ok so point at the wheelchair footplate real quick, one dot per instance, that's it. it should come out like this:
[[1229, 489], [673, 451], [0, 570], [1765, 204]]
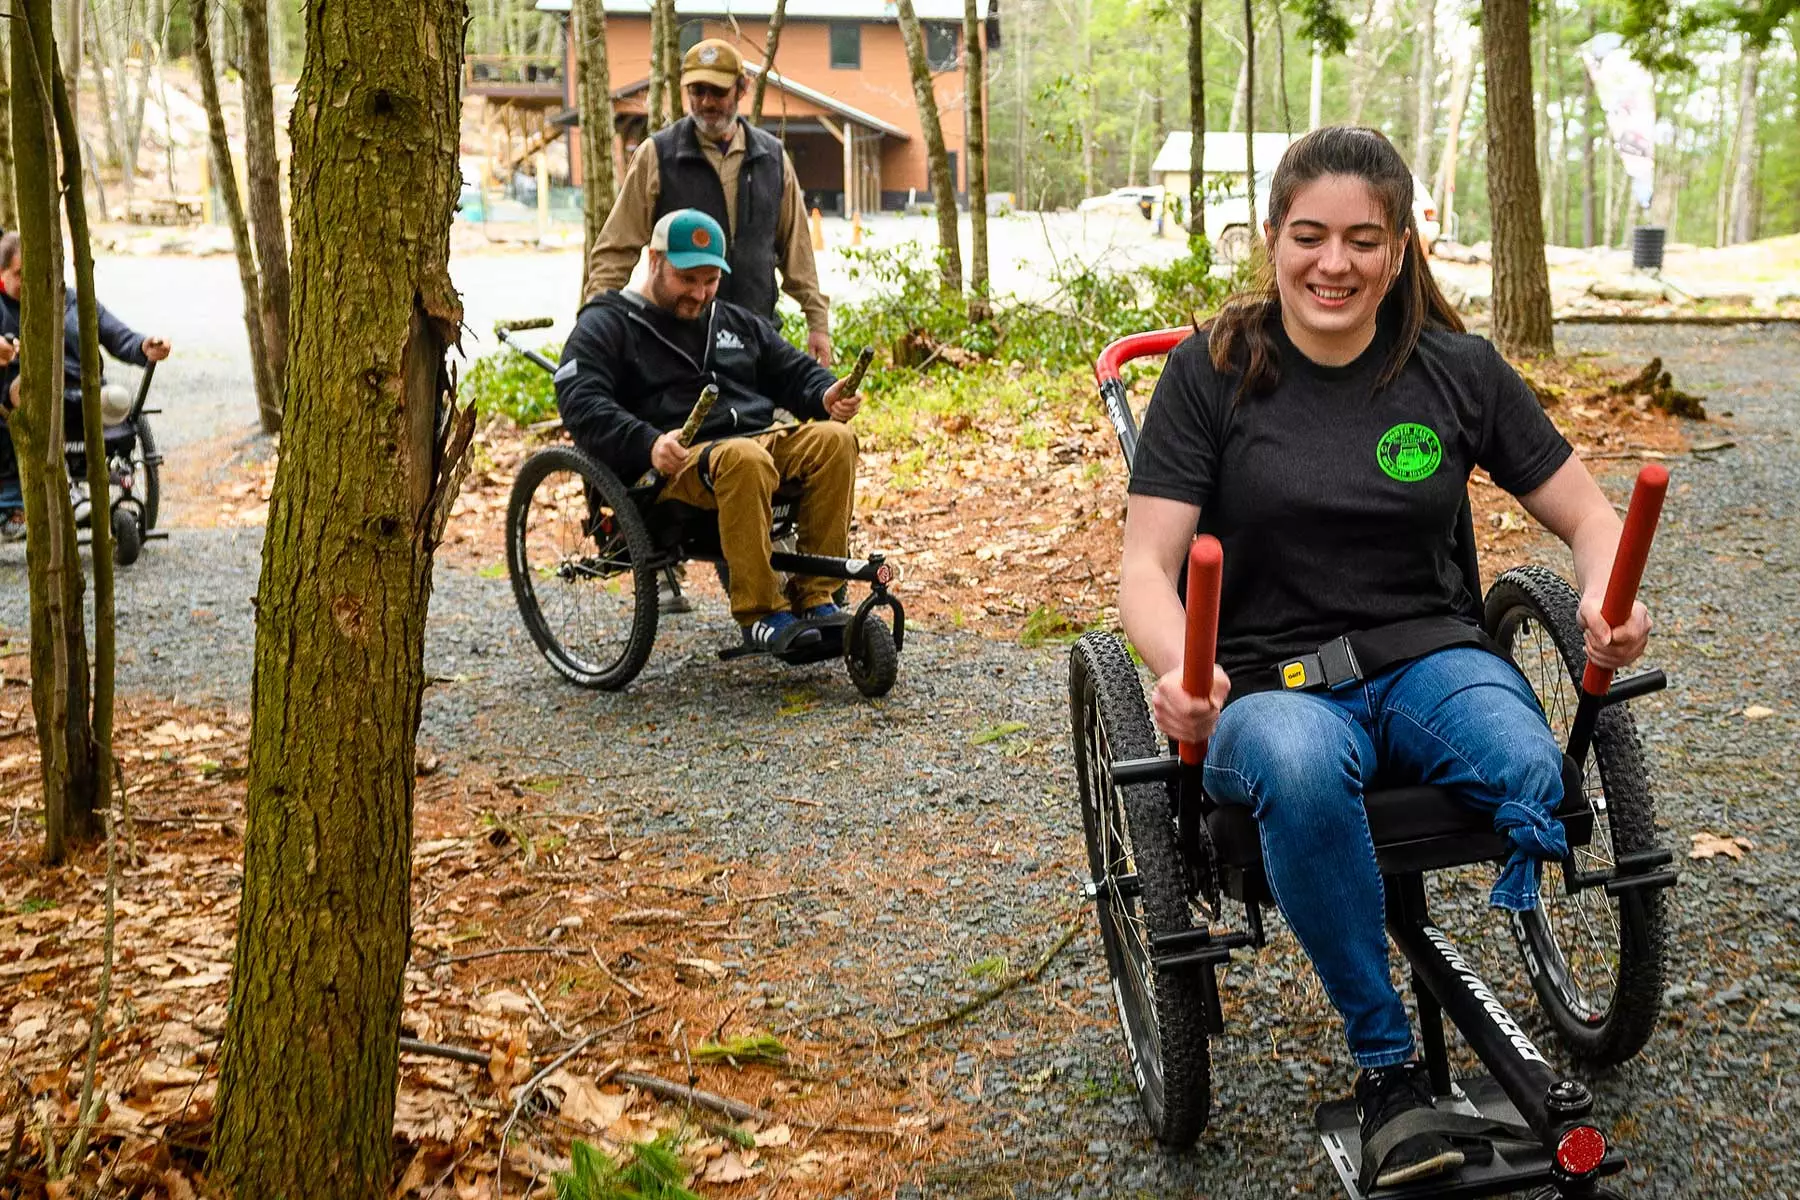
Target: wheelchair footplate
[[829, 646], [1489, 1168]]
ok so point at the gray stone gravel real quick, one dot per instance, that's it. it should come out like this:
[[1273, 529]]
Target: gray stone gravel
[[705, 753]]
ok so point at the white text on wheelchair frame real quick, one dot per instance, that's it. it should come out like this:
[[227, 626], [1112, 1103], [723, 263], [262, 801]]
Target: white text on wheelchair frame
[[1494, 1008]]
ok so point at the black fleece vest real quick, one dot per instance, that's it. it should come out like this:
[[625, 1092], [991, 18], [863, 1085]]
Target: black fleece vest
[[689, 181]]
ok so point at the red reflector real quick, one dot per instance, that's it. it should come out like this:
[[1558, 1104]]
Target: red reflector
[[1580, 1150], [884, 575]]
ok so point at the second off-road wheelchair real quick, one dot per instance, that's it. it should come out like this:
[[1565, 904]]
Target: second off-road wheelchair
[[1178, 884], [586, 553]]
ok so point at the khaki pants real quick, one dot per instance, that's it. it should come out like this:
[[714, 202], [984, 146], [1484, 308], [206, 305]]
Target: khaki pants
[[739, 479]]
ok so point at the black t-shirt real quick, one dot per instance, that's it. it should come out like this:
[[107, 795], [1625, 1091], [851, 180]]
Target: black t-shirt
[[1336, 503], [687, 335]]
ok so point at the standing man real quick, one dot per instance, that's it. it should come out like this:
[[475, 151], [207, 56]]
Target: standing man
[[717, 162]]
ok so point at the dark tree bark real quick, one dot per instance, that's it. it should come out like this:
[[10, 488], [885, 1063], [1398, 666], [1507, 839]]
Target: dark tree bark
[[262, 173], [594, 73], [1522, 323], [974, 66], [99, 481], [310, 1055], [59, 664], [268, 394], [943, 186], [9, 212], [1196, 71], [771, 44]]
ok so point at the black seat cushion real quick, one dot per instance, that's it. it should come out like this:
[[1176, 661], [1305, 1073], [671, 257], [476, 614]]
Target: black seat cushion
[[1414, 828]]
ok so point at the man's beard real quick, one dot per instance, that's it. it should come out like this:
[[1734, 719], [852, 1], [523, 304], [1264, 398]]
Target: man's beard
[[716, 128]]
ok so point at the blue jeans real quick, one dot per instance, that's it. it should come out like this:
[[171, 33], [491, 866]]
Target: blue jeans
[[1460, 718], [11, 496]]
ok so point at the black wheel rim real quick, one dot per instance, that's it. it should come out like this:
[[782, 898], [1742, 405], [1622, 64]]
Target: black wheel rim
[[1576, 938], [577, 565], [1119, 903]]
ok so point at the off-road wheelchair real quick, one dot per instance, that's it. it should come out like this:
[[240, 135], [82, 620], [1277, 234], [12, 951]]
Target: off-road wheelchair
[[585, 553], [1169, 871], [133, 467]]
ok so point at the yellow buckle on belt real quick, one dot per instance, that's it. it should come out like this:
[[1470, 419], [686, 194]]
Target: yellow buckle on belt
[[1293, 674]]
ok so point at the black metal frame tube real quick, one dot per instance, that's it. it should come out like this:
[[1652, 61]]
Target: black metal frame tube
[[863, 570]]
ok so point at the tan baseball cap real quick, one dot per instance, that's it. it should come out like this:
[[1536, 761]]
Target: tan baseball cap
[[714, 62]]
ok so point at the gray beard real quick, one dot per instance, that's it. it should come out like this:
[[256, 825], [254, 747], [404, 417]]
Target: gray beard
[[718, 132]]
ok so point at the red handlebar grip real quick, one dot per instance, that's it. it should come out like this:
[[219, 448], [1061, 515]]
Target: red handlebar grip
[[1628, 564], [1206, 564]]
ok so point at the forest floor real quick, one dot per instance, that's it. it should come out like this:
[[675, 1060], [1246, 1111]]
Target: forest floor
[[547, 913]]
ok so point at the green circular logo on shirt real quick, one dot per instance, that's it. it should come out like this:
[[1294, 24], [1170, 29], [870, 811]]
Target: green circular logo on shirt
[[1409, 452]]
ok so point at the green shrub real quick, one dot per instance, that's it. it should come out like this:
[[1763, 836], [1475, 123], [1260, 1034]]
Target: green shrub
[[511, 385]]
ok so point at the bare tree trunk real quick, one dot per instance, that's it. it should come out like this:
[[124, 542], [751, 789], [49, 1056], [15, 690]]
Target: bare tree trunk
[[59, 670], [113, 120], [1362, 64], [594, 73], [654, 106], [9, 213], [1287, 116], [974, 66], [1462, 79], [262, 172], [1250, 112], [671, 56], [1022, 54], [1424, 112], [309, 1063], [99, 477], [1589, 160], [1196, 80], [1726, 139], [268, 397], [771, 44], [943, 187], [1522, 323], [1085, 40], [1743, 169]]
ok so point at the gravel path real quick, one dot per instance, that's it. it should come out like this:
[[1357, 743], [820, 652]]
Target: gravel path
[[943, 849]]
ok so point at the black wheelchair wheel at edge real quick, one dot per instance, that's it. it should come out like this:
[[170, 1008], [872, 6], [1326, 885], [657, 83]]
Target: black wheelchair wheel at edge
[[580, 559], [128, 537], [1138, 890], [146, 473], [872, 659], [1595, 962]]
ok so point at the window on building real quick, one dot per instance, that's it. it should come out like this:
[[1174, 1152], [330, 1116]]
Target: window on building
[[846, 45], [691, 33], [940, 45]]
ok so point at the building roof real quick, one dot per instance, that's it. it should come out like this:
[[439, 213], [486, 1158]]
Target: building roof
[[811, 95], [1224, 152], [841, 10]]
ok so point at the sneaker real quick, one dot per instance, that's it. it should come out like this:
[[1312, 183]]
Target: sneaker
[[826, 614], [671, 598], [1384, 1093], [779, 632], [12, 525]]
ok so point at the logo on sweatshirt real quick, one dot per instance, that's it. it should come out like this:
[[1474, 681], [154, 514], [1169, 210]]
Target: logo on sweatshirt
[[728, 341], [1409, 452]]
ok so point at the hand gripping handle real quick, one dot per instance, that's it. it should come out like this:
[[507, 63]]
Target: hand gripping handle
[[1628, 564], [1206, 564], [690, 429]]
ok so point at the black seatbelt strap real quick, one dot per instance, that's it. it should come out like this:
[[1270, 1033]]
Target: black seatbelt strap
[[1363, 655]]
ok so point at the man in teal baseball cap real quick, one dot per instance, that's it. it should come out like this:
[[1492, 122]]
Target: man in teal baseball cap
[[630, 373]]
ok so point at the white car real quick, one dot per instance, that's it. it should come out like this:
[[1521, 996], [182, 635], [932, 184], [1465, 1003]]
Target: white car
[[1142, 200], [1227, 219]]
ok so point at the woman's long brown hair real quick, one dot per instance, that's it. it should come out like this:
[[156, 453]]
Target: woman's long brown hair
[[1241, 338]]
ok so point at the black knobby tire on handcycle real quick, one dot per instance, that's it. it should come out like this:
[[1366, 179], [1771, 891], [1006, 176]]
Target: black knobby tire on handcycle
[[871, 658], [1139, 890], [582, 567], [146, 472], [128, 536], [1596, 962]]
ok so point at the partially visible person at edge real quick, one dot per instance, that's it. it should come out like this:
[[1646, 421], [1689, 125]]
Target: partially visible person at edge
[[117, 338], [716, 161], [630, 373], [1324, 427]]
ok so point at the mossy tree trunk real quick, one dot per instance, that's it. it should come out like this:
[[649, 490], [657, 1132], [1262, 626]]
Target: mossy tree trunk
[[369, 446], [1522, 324], [59, 666], [9, 212], [974, 64], [594, 75], [943, 185], [262, 175], [268, 383], [653, 99]]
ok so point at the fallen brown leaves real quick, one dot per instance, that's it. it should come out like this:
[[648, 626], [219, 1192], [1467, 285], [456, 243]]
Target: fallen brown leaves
[[531, 939]]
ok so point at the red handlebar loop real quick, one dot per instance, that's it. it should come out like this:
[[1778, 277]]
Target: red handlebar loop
[[1206, 565], [1628, 564], [1137, 345]]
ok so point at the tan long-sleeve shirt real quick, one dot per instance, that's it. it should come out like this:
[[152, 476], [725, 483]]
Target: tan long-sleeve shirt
[[633, 217]]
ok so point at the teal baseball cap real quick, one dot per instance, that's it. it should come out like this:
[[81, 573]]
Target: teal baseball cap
[[691, 239]]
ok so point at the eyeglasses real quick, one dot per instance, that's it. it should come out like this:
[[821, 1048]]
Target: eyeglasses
[[705, 91]]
